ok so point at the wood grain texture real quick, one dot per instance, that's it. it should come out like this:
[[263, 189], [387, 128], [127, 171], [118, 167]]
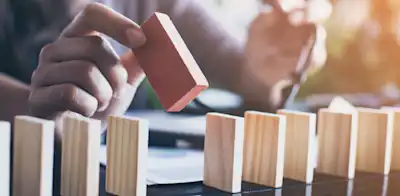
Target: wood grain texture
[[5, 149], [375, 135], [223, 152], [33, 156], [127, 149], [180, 79], [395, 163], [264, 148], [337, 143], [299, 144], [80, 164]]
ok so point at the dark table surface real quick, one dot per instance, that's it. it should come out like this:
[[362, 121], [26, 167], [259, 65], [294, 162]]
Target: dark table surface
[[365, 184]]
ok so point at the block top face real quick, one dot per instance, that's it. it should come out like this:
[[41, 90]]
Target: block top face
[[33, 120], [5, 123], [372, 110], [130, 118], [328, 110], [221, 115], [295, 112], [265, 114]]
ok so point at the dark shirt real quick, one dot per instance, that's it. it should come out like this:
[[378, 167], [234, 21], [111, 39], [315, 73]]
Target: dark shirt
[[26, 29]]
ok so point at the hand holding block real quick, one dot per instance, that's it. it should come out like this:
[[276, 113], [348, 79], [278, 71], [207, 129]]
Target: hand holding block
[[168, 64], [80, 165], [374, 145], [127, 148], [299, 144], [33, 156], [264, 148], [337, 143], [223, 152]]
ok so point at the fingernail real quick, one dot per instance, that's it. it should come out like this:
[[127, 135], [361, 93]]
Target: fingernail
[[136, 37]]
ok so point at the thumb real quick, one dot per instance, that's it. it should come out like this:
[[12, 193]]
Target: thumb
[[135, 72]]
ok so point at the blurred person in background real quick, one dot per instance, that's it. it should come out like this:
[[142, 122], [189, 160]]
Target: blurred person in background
[[50, 65]]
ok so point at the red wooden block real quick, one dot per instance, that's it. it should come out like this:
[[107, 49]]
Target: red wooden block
[[168, 64]]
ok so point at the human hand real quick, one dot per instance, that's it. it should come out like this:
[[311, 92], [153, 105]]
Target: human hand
[[280, 38], [81, 73]]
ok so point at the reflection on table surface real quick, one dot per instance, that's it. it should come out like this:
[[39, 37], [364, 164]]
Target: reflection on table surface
[[364, 184]]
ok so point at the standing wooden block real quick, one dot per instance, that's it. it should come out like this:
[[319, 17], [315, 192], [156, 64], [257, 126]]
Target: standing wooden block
[[395, 163], [264, 148], [127, 148], [299, 145], [5, 148], [80, 165], [375, 135], [337, 143], [169, 66], [33, 156], [223, 152]]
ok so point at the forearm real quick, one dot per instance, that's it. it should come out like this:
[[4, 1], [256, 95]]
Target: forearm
[[218, 54], [13, 98]]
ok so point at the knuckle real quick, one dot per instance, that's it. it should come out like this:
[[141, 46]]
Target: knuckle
[[46, 50], [69, 94], [89, 8], [103, 50], [35, 78], [97, 40], [89, 70]]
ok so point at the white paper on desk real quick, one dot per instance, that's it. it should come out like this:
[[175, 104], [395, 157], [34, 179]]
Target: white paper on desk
[[170, 166], [340, 104]]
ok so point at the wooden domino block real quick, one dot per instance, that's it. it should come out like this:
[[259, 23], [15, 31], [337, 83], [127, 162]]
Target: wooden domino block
[[299, 145], [337, 143], [223, 152], [127, 148], [395, 163], [80, 166], [168, 64], [5, 148], [33, 149], [374, 145], [264, 148]]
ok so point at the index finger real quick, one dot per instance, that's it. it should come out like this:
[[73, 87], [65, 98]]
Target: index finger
[[97, 18]]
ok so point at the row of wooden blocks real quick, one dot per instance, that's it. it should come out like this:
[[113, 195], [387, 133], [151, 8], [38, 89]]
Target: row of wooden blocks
[[264, 148], [33, 156], [261, 148]]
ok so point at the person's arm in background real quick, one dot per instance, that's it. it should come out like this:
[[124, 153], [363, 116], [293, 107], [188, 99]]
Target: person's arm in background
[[13, 98]]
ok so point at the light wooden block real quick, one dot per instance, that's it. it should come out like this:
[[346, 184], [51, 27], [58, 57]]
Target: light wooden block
[[264, 148], [375, 135], [180, 79], [337, 143], [33, 156], [127, 149], [299, 145], [223, 152], [395, 163], [80, 166], [5, 149]]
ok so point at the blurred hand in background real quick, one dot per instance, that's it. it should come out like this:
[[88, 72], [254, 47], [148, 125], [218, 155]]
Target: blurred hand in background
[[278, 38]]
